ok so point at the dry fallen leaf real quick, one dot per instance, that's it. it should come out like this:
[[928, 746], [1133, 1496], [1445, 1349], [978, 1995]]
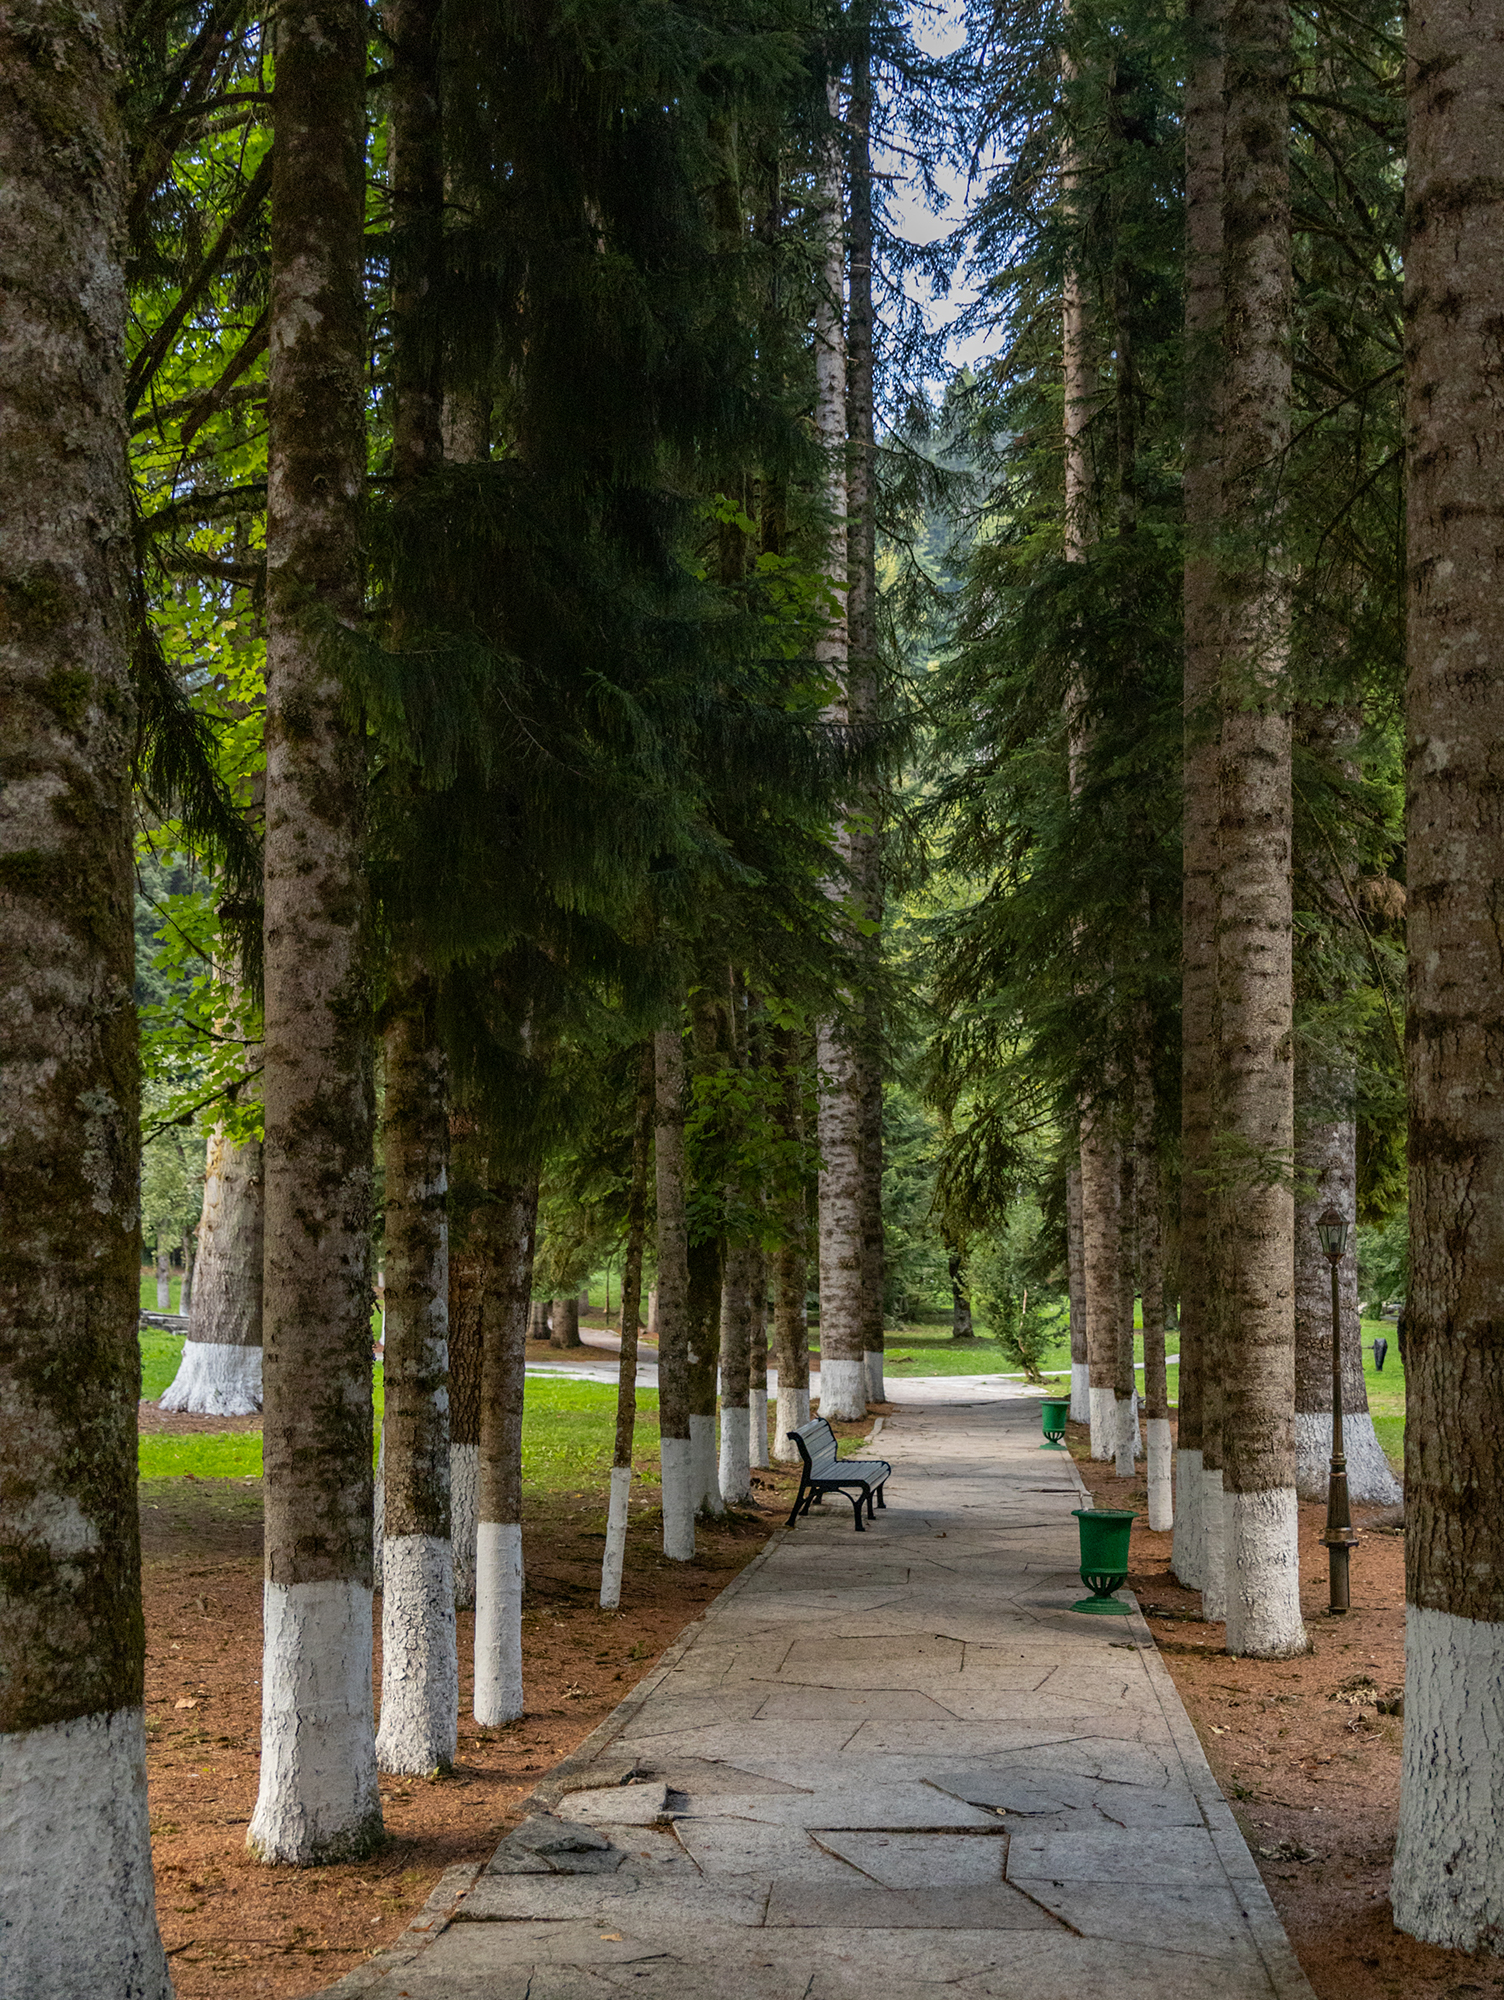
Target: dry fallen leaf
[[186, 1702]]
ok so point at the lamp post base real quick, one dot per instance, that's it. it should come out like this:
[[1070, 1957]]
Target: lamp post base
[[1104, 1607], [1338, 1555]]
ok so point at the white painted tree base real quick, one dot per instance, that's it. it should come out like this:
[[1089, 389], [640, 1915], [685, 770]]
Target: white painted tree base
[[1080, 1393], [1186, 1557], [1104, 1423], [843, 1389], [1370, 1477], [318, 1799], [793, 1415], [1213, 1547], [498, 1622], [78, 1909], [1127, 1435], [614, 1559], [1261, 1531], [464, 1480], [1161, 1491], [757, 1427], [215, 1381], [420, 1667], [735, 1474], [1447, 1885], [674, 1457], [876, 1392], [378, 1511], [704, 1471]]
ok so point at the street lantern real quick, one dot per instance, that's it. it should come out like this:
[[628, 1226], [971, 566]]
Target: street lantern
[[1331, 1229]]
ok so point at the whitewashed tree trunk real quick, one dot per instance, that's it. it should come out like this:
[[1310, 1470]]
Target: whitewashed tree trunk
[[498, 1525], [1448, 1878], [734, 1471], [318, 1799], [77, 1903], [219, 1373], [164, 1271], [420, 1687], [1203, 493], [673, 1299]]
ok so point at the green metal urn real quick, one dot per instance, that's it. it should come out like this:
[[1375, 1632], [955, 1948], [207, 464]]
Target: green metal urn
[[1052, 1422], [1104, 1558]]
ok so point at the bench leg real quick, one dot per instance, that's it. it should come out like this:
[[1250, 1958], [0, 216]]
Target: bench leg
[[801, 1505], [880, 1500], [856, 1509], [870, 1515]]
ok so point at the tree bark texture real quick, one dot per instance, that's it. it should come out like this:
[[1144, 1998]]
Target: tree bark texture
[[318, 1798], [220, 1372], [1199, 1439], [1101, 1195], [469, 1281], [960, 1298], [614, 1555], [706, 1264], [566, 1323], [1076, 1284], [735, 1470], [1326, 1176], [790, 1259], [673, 1296], [75, 1866], [1125, 1377], [757, 1361], [1255, 1122], [419, 1656], [843, 1370], [1151, 1282], [498, 1500], [1449, 1861]]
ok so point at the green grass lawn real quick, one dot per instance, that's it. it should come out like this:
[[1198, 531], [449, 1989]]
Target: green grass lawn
[[568, 1430]]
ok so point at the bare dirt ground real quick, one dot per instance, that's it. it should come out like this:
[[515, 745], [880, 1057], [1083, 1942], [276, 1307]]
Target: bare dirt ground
[[235, 1929], [1309, 1763]]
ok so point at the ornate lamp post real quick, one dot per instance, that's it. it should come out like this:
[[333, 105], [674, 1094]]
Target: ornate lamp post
[[1339, 1536]]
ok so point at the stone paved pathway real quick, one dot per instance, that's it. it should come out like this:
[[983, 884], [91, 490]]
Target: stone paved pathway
[[893, 1763]]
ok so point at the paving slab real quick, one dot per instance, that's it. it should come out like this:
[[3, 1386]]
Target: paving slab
[[893, 1762]]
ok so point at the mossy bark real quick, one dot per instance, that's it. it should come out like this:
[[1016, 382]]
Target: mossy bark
[[318, 1048], [1449, 1863], [71, 1635]]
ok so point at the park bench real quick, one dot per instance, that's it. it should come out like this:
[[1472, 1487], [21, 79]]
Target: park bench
[[859, 1479]]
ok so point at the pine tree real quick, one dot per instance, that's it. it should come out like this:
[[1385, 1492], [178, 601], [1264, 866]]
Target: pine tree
[[1449, 1859], [1255, 1073], [75, 1867], [318, 1797]]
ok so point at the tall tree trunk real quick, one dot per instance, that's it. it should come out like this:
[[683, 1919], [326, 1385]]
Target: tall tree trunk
[[1326, 1176], [757, 1361], [1076, 1291], [960, 1298], [1148, 1196], [75, 1860], [735, 1472], [566, 1323], [420, 1681], [861, 613], [1125, 1376], [163, 1262], [631, 1303], [1449, 1860], [220, 1370], [673, 1297], [469, 1280], [1101, 1195], [843, 1368], [419, 1654], [706, 1264], [1254, 916], [790, 1260], [1198, 1510], [318, 1799], [185, 1291], [498, 1488]]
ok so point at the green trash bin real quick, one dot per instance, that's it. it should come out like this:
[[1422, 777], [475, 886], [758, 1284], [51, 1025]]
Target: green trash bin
[[1104, 1558], [1052, 1420]]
